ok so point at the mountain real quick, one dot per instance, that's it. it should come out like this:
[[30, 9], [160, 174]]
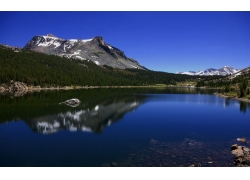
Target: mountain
[[94, 49], [243, 72], [226, 70]]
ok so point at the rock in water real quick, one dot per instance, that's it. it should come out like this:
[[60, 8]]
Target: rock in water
[[234, 146], [72, 102], [241, 155], [242, 140]]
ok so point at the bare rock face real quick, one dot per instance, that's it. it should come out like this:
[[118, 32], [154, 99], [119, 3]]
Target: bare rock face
[[95, 50], [241, 155]]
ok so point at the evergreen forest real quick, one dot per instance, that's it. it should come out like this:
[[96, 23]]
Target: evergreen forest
[[38, 69]]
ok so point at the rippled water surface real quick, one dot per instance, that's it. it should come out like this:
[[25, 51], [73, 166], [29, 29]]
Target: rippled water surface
[[121, 127]]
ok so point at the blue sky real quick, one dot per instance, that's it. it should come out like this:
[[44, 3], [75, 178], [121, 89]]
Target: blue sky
[[168, 41]]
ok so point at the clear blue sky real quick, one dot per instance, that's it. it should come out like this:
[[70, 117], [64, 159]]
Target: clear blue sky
[[162, 41]]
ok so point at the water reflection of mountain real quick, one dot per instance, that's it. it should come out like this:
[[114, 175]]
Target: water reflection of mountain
[[42, 113], [40, 104], [98, 108], [87, 120]]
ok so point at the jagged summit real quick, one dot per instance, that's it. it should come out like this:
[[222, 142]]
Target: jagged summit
[[94, 49], [99, 39]]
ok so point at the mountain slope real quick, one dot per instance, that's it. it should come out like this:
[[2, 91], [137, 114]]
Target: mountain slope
[[94, 49], [226, 70]]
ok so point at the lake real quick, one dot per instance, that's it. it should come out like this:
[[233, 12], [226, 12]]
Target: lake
[[147, 127]]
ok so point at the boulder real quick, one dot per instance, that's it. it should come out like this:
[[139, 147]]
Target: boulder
[[244, 140], [74, 102], [241, 155], [234, 146], [238, 152]]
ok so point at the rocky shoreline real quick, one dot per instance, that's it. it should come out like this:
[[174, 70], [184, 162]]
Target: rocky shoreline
[[232, 97], [20, 88]]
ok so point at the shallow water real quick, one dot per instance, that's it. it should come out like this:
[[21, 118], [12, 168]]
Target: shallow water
[[121, 127]]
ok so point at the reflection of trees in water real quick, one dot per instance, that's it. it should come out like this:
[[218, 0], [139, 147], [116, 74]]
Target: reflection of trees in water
[[38, 104], [227, 102], [244, 106], [98, 109]]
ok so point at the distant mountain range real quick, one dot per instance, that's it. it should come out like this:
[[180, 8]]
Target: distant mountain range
[[94, 49], [226, 70]]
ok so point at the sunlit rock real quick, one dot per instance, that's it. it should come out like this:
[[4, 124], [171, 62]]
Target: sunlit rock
[[242, 140], [241, 155]]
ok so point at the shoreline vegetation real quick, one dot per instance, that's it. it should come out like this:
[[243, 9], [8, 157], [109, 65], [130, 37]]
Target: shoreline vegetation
[[232, 97]]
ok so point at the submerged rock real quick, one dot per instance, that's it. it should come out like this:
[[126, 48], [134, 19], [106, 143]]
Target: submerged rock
[[72, 102]]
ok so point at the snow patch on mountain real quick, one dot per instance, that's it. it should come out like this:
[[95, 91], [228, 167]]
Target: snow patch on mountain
[[73, 40], [110, 47], [86, 40], [57, 44], [81, 58]]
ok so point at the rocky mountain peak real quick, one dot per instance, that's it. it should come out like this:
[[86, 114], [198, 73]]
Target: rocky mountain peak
[[94, 49], [99, 40]]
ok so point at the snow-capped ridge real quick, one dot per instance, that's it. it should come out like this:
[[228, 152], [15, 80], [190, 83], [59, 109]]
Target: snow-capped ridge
[[225, 70]]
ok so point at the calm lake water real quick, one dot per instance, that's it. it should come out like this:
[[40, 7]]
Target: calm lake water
[[121, 127]]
